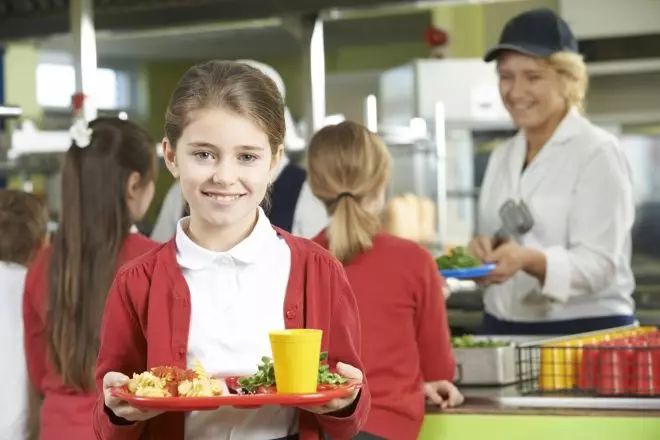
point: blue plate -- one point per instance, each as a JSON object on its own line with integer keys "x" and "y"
{"x": 468, "y": 274}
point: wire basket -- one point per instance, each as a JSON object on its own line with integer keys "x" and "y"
{"x": 623, "y": 365}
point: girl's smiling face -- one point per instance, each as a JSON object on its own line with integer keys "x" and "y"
{"x": 224, "y": 164}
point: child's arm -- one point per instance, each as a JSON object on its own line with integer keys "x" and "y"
{"x": 34, "y": 329}
{"x": 433, "y": 340}
{"x": 345, "y": 345}
{"x": 123, "y": 349}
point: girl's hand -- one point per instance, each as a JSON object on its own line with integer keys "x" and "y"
{"x": 349, "y": 372}
{"x": 443, "y": 393}
{"x": 120, "y": 407}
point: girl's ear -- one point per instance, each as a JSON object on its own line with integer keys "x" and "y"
{"x": 275, "y": 162}
{"x": 133, "y": 186}
{"x": 169, "y": 155}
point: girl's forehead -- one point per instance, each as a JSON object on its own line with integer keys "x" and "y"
{"x": 223, "y": 128}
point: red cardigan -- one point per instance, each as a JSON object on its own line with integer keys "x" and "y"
{"x": 147, "y": 319}
{"x": 65, "y": 413}
{"x": 405, "y": 333}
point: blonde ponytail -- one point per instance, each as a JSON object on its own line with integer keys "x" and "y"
{"x": 348, "y": 169}
{"x": 351, "y": 229}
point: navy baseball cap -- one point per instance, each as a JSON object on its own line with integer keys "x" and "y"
{"x": 538, "y": 32}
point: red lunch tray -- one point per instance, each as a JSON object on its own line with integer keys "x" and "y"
{"x": 324, "y": 395}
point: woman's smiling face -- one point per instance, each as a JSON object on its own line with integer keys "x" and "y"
{"x": 224, "y": 164}
{"x": 531, "y": 90}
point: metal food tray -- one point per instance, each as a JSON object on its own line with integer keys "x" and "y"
{"x": 485, "y": 366}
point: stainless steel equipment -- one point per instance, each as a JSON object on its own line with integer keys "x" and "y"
{"x": 444, "y": 104}
{"x": 485, "y": 366}
{"x": 516, "y": 220}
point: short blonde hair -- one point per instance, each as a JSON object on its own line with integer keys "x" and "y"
{"x": 348, "y": 160}
{"x": 574, "y": 78}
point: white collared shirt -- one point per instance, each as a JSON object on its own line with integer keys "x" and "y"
{"x": 14, "y": 397}
{"x": 309, "y": 218}
{"x": 579, "y": 190}
{"x": 237, "y": 297}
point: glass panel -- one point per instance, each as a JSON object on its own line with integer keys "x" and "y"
{"x": 56, "y": 85}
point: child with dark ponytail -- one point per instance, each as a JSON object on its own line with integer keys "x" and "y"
{"x": 107, "y": 186}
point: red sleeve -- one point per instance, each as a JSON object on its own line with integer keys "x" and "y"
{"x": 345, "y": 345}
{"x": 122, "y": 349}
{"x": 33, "y": 325}
{"x": 433, "y": 339}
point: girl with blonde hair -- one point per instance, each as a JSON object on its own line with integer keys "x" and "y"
{"x": 406, "y": 346}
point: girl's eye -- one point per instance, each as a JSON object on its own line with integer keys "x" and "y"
{"x": 245, "y": 157}
{"x": 203, "y": 155}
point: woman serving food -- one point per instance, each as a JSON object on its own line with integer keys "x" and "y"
{"x": 568, "y": 271}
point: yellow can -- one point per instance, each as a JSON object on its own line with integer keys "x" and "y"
{"x": 553, "y": 367}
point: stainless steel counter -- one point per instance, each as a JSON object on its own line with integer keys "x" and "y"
{"x": 510, "y": 397}
{"x": 508, "y": 401}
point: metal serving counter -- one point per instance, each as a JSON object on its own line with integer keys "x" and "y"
{"x": 507, "y": 400}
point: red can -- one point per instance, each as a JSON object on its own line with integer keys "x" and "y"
{"x": 588, "y": 368}
{"x": 615, "y": 362}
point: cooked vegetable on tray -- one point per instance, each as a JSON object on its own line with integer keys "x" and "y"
{"x": 457, "y": 258}
{"x": 469, "y": 341}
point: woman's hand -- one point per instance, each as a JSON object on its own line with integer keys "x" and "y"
{"x": 120, "y": 407}
{"x": 349, "y": 372}
{"x": 443, "y": 393}
{"x": 511, "y": 257}
{"x": 481, "y": 247}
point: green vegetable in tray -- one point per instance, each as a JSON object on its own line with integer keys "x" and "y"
{"x": 457, "y": 258}
{"x": 265, "y": 375}
{"x": 468, "y": 341}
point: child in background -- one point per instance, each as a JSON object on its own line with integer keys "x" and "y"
{"x": 23, "y": 231}
{"x": 407, "y": 349}
{"x": 107, "y": 185}
{"x": 215, "y": 291}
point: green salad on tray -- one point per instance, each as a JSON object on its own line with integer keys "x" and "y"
{"x": 457, "y": 258}
{"x": 469, "y": 341}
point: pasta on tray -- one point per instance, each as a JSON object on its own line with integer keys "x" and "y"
{"x": 176, "y": 382}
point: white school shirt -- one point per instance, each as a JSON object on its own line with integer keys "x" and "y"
{"x": 579, "y": 190}
{"x": 14, "y": 397}
{"x": 309, "y": 218}
{"x": 237, "y": 297}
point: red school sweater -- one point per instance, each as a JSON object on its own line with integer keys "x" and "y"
{"x": 65, "y": 413}
{"x": 405, "y": 333}
{"x": 147, "y": 319}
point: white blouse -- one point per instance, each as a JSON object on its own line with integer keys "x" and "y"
{"x": 579, "y": 190}
{"x": 237, "y": 297}
{"x": 14, "y": 398}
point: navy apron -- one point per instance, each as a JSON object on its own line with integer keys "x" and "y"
{"x": 493, "y": 326}
{"x": 284, "y": 196}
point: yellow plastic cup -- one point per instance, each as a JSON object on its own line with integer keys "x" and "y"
{"x": 296, "y": 356}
